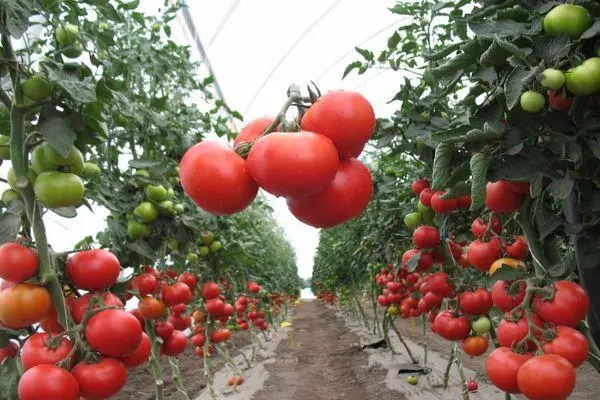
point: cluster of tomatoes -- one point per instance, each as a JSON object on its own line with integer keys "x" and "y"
{"x": 315, "y": 168}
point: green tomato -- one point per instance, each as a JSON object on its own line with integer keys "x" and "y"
{"x": 170, "y": 194}
{"x": 481, "y": 325}
{"x": 44, "y": 158}
{"x": 155, "y": 27}
{"x": 9, "y": 195}
{"x": 207, "y": 237}
{"x": 584, "y": 79}
{"x": 72, "y": 51}
{"x": 192, "y": 258}
{"x": 121, "y": 119}
{"x": 174, "y": 180}
{"x": 142, "y": 172}
{"x": 156, "y": 193}
{"x": 412, "y": 220}
{"x": 179, "y": 208}
{"x": 90, "y": 170}
{"x": 166, "y": 208}
{"x": 412, "y": 380}
{"x": 532, "y": 102}
{"x": 203, "y": 251}
{"x": 146, "y": 211}
{"x": 216, "y": 246}
{"x": 570, "y": 19}
{"x": 103, "y": 26}
{"x": 67, "y": 34}
{"x": 173, "y": 244}
{"x": 136, "y": 230}
{"x": 422, "y": 208}
{"x": 553, "y": 79}
{"x": 12, "y": 179}
{"x": 58, "y": 189}
{"x": 37, "y": 88}
{"x": 41, "y": 161}
{"x": 4, "y": 147}
{"x": 390, "y": 171}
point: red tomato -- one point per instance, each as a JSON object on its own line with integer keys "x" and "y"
{"x": 346, "y": 118}
{"x": 210, "y": 290}
{"x": 220, "y": 335}
{"x": 478, "y": 227}
{"x": 180, "y": 322}
{"x": 9, "y": 351}
{"x": 432, "y": 300}
{"x": 214, "y": 307}
{"x": 517, "y": 187}
{"x": 511, "y": 333}
{"x": 439, "y": 285}
{"x": 179, "y": 309}
{"x": 184, "y": 293}
{"x": 93, "y": 269}
{"x": 442, "y": 206}
{"x": 463, "y": 201}
{"x": 426, "y": 237}
{"x": 252, "y": 130}
{"x": 293, "y": 164}
{"x": 451, "y": 327}
{"x": 114, "y": 333}
{"x": 163, "y": 329}
{"x": 151, "y": 308}
{"x": 175, "y": 344}
{"x": 546, "y": 377}
{"x": 500, "y": 199}
{"x": 477, "y": 302}
{"x": 237, "y": 380}
{"x": 253, "y": 287}
{"x": 481, "y": 254}
{"x": 80, "y": 306}
{"x": 570, "y": 344}
{"x": 50, "y": 323}
{"x": 418, "y": 185}
{"x": 502, "y": 366}
{"x": 145, "y": 284}
{"x": 24, "y": 304}
{"x": 518, "y": 249}
{"x": 475, "y": 345}
{"x": 190, "y": 279}
{"x": 217, "y": 178}
{"x": 100, "y": 380}
{"x": 382, "y": 300}
{"x": 140, "y": 354}
{"x": 37, "y": 350}
{"x": 48, "y": 382}
{"x": 559, "y": 101}
{"x": 425, "y": 196}
{"x": 567, "y": 307}
{"x": 346, "y": 196}
{"x": 17, "y": 262}
{"x": 503, "y": 299}
{"x": 425, "y": 260}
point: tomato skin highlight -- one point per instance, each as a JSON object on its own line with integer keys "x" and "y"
{"x": 293, "y": 164}
{"x": 502, "y": 366}
{"x": 17, "y": 262}
{"x": 36, "y": 352}
{"x": 100, "y": 380}
{"x": 217, "y": 178}
{"x": 347, "y": 118}
{"x": 48, "y": 382}
{"x": 93, "y": 269}
{"x": 570, "y": 344}
{"x": 546, "y": 377}
{"x": 568, "y": 306}
{"x": 346, "y": 196}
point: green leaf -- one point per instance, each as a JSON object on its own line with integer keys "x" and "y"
{"x": 393, "y": 41}
{"x": 9, "y": 227}
{"x": 142, "y": 248}
{"x": 551, "y": 48}
{"x": 441, "y": 165}
{"x": 507, "y": 273}
{"x": 537, "y": 184}
{"x": 81, "y": 91}
{"x": 593, "y": 31}
{"x": 17, "y": 15}
{"x": 546, "y": 222}
{"x": 9, "y": 377}
{"x": 479, "y": 165}
{"x": 459, "y": 189}
{"x": 132, "y": 5}
{"x": 460, "y": 174}
{"x": 65, "y": 212}
{"x": 59, "y": 134}
{"x": 502, "y": 28}
{"x": 144, "y": 163}
{"x": 516, "y": 84}
{"x": 350, "y": 67}
{"x": 560, "y": 189}
{"x": 367, "y": 55}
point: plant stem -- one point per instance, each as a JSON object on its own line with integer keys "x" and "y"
{"x": 410, "y": 354}
{"x": 448, "y": 366}
{"x": 463, "y": 381}
{"x": 154, "y": 361}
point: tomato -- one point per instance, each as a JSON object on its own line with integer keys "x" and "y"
{"x": 214, "y": 307}
{"x": 58, "y": 189}
{"x": 180, "y": 322}
{"x": 559, "y": 101}
{"x": 237, "y": 380}
{"x": 10, "y": 195}
{"x": 567, "y": 307}
{"x": 475, "y": 345}
{"x": 432, "y": 300}
{"x": 426, "y": 237}
{"x": 174, "y": 344}
{"x": 570, "y": 344}
{"x": 210, "y": 290}
{"x": 90, "y": 170}
{"x": 163, "y": 329}
{"x": 346, "y": 118}
{"x": 500, "y": 199}
{"x": 24, "y": 304}
{"x": 418, "y": 186}
{"x": 198, "y": 339}
{"x": 519, "y": 248}
{"x": 464, "y": 201}
{"x": 145, "y": 284}
{"x": 425, "y": 260}
{"x": 178, "y": 309}
{"x": 45, "y": 159}
{"x": 412, "y": 379}
{"x": 253, "y": 287}
{"x": 505, "y": 300}
{"x": 146, "y": 211}
{"x": 382, "y": 300}
{"x": 425, "y": 197}
{"x": 220, "y": 335}
{"x": 37, "y": 88}
{"x": 252, "y": 130}
{"x": 568, "y": 19}
{"x": 584, "y": 79}
{"x": 481, "y": 325}
{"x": 156, "y": 193}
{"x": 482, "y": 255}
{"x": 346, "y": 196}
{"x": 502, "y": 366}
{"x": 93, "y": 269}
{"x": 510, "y": 262}
{"x": 67, "y": 34}
{"x": 472, "y": 386}
{"x": 81, "y": 305}
{"x": 477, "y": 302}
{"x": 140, "y": 355}
{"x": 217, "y": 178}
{"x": 479, "y": 227}
{"x": 50, "y": 323}
{"x": 412, "y": 220}
{"x": 532, "y": 102}
{"x": 188, "y": 278}
{"x": 40, "y": 349}
{"x": 184, "y": 293}
{"x": 553, "y": 79}
{"x": 439, "y": 285}
{"x": 100, "y": 380}
{"x": 511, "y": 333}
{"x": 215, "y": 246}
{"x": 442, "y": 206}
{"x": 48, "y": 382}
{"x": 17, "y": 262}
{"x": 136, "y": 230}
{"x": 546, "y": 377}
{"x": 114, "y": 333}
{"x": 151, "y": 308}
{"x": 451, "y": 327}
{"x": 10, "y": 350}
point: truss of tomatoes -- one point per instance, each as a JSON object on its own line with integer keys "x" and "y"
{"x": 316, "y": 168}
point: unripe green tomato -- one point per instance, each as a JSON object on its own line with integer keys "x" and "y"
{"x": 9, "y": 195}
{"x": 179, "y": 208}
{"x": 166, "y": 208}
{"x": 192, "y": 258}
{"x": 37, "y": 88}
{"x": 4, "y": 147}
{"x": 12, "y": 179}
{"x": 216, "y": 246}
{"x": 58, "y": 189}
{"x": 72, "y": 51}
{"x": 174, "y": 180}
{"x": 207, "y": 237}
{"x": 142, "y": 172}
{"x": 481, "y": 325}
{"x": 67, "y": 34}
{"x": 170, "y": 193}
{"x": 173, "y": 244}
{"x": 553, "y": 79}
{"x": 90, "y": 170}
{"x": 584, "y": 79}
{"x": 136, "y": 230}
{"x": 103, "y": 26}
{"x": 156, "y": 193}
{"x": 412, "y": 220}
{"x": 532, "y": 102}
{"x": 422, "y": 208}
{"x": 412, "y": 380}
{"x": 146, "y": 211}
{"x": 568, "y": 19}
{"x": 203, "y": 251}
{"x": 390, "y": 171}
{"x": 40, "y": 161}
{"x": 155, "y": 27}
{"x": 121, "y": 119}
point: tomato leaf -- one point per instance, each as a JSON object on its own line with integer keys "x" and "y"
{"x": 551, "y": 48}
{"x": 413, "y": 262}
{"x": 560, "y": 189}
{"x": 441, "y": 165}
{"x": 501, "y": 28}
{"x": 515, "y": 85}
{"x": 479, "y": 163}
{"x": 507, "y": 273}
{"x": 65, "y": 212}
{"x": 17, "y": 15}
{"x": 546, "y": 222}
{"x": 9, "y": 376}
{"x": 593, "y": 30}
{"x": 351, "y": 67}
{"x": 10, "y": 221}
{"x": 59, "y": 134}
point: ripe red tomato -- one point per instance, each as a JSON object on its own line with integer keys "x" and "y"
{"x": 477, "y": 302}
{"x": 418, "y": 185}
{"x": 382, "y": 300}
{"x": 114, "y": 333}
{"x": 502, "y": 366}
{"x": 180, "y": 322}
{"x": 228, "y": 310}
{"x": 175, "y": 344}
{"x": 511, "y": 333}
{"x": 546, "y": 377}
{"x": 570, "y": 344}
{"x": 438, "y": 284}
{"x": 48, "y": 382}
{"x": 214, "y": 307}
{"x": 198, "y": 339}
{"x": 24, "y": 304}
{"x": 17, "y": 262}
{"x": 426, "y": 237}
{"x": 190, "y": 279}
{"x": 151, "y": 308}
{"x": 145, "y": 284}
{"x": 237, "y": 380}
{"x": 36, "y": 350}
{"x": 293, "y": 164}
{"x": 425, "y": 197}
{"x": 346, "y": 196}
{"x": 425, "y": 260}
{"x": 567, "y": 307}
{"x": 210, "y": 290}
{"x": 217, "y": 178}
{"x": 220, "y": 335}
{"x": 184, "y": 293}
{"x": 10, "y": 350}
{"x": 518, "y": 249}
{"x": 482, "y": 255}
{"x": 252, "y": 130}
{"x": 442, "y": 206}
{"x": 559, "y": 101}
{"x": 140, "y": 354}
{"x": 93, "y": 269}
{"x": 163, "y": 329}
{"x": 503, "y": 299}
{"x": 500, "y": 199}
{"x": 451, "y": 327}
{"x": 178, "y": 309}
{"x": 475, "y": 345}
{"x": 478, "y": 227}
{"x": 100, "y": 380}
{"x": 80, "y": 306}
{"x": 346, "y": 118}
{"x": 517, "y": 187}
{"x": 464, "y": 201}
{"x": 253, "y": 287}
{"x": 432, "y": 300}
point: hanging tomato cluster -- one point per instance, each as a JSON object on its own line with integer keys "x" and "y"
{"x": 315, "y": 166}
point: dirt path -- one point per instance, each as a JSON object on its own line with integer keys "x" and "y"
{"x": 322, "y": 361}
